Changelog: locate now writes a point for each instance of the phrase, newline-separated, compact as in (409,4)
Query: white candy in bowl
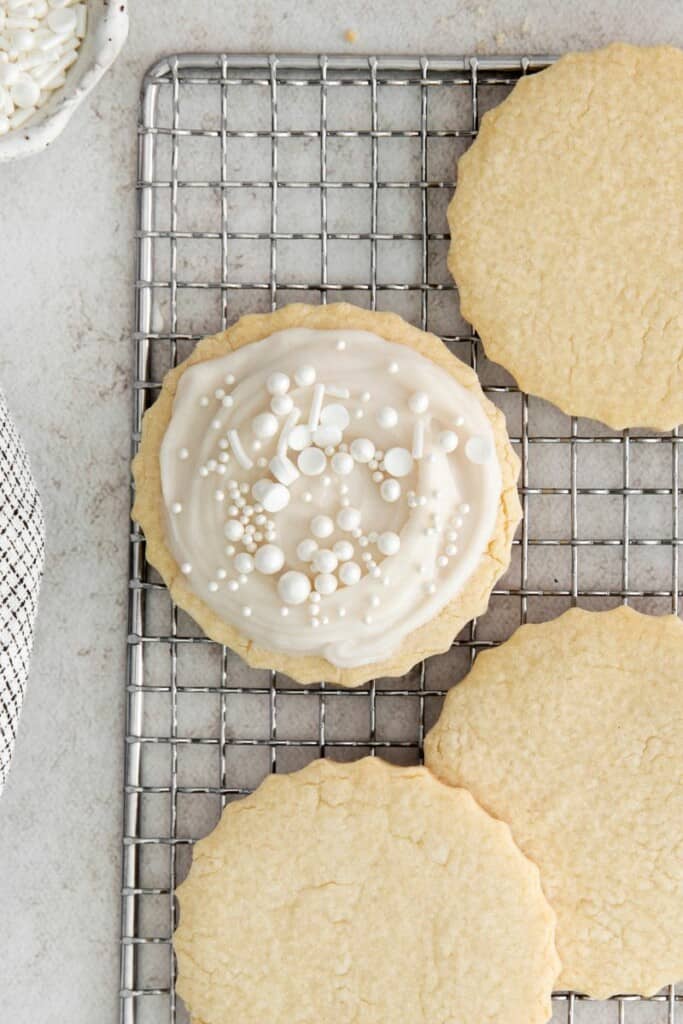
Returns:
(52,53)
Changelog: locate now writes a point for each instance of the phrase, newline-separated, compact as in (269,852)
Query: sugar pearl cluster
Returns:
(314,442)
(39,41)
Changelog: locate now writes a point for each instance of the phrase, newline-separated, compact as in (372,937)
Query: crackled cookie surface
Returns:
(571,732)
(567,228)
(359,894)
(328,491)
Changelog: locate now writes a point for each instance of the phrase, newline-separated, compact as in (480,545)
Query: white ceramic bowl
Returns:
(106,33)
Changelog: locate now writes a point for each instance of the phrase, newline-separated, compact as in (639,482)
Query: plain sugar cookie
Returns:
(327,491)
(363,893)
(571,732)
(567,235)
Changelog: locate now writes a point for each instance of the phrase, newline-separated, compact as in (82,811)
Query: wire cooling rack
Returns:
(266,180)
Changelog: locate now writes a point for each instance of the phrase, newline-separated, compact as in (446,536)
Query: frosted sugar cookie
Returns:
(567,235)
(360,894)
(571,732)
(327,491)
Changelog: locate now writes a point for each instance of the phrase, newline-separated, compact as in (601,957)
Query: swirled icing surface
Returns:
(327,492)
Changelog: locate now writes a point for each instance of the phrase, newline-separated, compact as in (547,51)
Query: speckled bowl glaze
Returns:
(106,33)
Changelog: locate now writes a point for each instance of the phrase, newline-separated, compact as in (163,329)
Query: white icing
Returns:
(320,530)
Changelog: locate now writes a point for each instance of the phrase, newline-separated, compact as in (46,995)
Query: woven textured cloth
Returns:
(22,552)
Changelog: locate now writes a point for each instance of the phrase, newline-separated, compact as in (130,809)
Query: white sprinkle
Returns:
(219,393)
(213,586)
(451,550)
(341,345)
(176,508)
(398,461)
(264,426)
(307,497)
(283,469)
(367,619)
(358,414)
(418,439)
(341,613)
(233,585)
(246,610)
(390,490)
(448,441)
(203,401)
(479,450)
(284,611)
(464,509)
(229,379)
(305,376)
(442,561)
(183,454)
(431,588)
(288,426)
(221,574)
(277,383)
(186,568)
(393,367)
(311,461)
(203,471)
(281,405)
(460,421)
(375,601)
(238,450)
(216,424)
(316,406)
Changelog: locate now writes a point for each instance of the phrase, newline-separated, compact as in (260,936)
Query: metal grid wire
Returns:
(265,180)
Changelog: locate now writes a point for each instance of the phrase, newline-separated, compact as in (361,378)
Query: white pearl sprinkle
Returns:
(307,497)
(281,405)
(451,550)
(341,613)
(277,383)
(375,601)
(183,454)
(264,425)
(341,345)
(464,509)
(418,402)
(203,471)
(431,588)
(390,490)
(219,393)
(176,508)
(322,526)
(246,611)
(213,586)
(216,424)
(448,441)
(442,561)
(315,598)
(219,495)
(284,611)
(221,574)
(393,368)
(367,619)
(204,401)
(233,585)
(229,379)
(305,376)
(186,568)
